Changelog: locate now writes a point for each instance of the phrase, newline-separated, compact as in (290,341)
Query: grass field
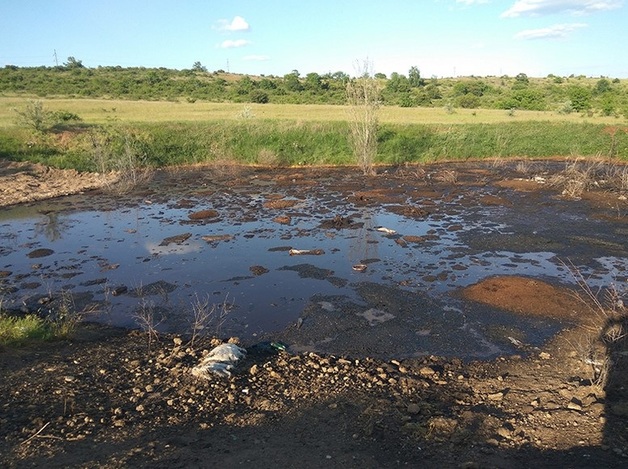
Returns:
(165,133)
(98,111)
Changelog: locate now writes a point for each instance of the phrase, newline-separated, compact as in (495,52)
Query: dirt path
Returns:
(112,398)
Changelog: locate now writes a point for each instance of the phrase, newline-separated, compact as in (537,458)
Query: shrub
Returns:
(363,96)
(35,116)
(258,96)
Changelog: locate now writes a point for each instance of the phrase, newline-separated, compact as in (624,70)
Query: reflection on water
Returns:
(244,255)
(52,225)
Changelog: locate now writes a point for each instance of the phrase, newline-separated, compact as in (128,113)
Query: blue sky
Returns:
(273,37)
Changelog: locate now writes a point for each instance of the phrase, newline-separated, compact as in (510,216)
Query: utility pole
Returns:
(56,60)
(227,65)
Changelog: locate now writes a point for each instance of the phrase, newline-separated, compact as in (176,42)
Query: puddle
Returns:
(170,248)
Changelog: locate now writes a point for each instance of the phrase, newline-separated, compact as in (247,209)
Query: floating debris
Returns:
(385,230)
(119,290)
(278,346)
(219,361)
(305,252)
(359,267)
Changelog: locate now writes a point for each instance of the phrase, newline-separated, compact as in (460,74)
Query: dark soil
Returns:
(118,398)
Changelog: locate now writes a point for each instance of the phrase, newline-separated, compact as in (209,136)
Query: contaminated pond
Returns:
(325,260)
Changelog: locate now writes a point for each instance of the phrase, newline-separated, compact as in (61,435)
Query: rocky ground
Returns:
(117,398)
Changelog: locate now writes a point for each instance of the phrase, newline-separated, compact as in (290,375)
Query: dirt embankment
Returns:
(27,182)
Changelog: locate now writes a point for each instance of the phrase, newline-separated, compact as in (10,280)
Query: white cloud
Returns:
(557,31)
(236,24)
(548,7)
(256,58)
(233,43)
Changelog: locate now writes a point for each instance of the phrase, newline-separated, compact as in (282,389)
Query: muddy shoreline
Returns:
(109,398)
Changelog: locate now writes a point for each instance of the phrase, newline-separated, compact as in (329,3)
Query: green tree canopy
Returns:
(73,63)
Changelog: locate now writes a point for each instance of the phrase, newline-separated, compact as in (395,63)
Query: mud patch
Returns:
(203,214)
(312,272)
(176,239)
(41,252)
(528,296)
(280,203)
(339,223)
(523,185)
(387,322)
(410,211)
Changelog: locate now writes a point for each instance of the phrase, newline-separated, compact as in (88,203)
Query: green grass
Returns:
(21,329)
(532,139)
(17,331)
(288,143)
(100,111)
(176,133)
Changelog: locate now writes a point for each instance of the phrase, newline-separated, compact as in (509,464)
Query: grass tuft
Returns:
(15,331)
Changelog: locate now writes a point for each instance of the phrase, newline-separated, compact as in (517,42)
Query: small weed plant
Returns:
(208,317)
(145,318)
(40,120)
(34,116)
(58,323)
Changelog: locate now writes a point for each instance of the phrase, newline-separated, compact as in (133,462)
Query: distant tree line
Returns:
(602,95)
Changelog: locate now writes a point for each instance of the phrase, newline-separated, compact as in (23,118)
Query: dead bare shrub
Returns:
(145,318)
(411,170)
(524,167)
(577,177)
(447,176)
(498,162)
(269,158)
(617,177)
(225,167)
(207,316)
(363,97)
(581,175)
(120,150)
(604,328)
